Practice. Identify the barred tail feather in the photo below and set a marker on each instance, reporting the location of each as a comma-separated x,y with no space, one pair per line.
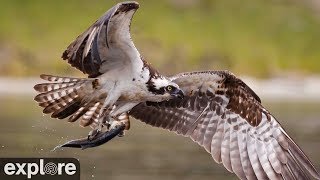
90,116
46,87
59,78
76,115
64,97
67,111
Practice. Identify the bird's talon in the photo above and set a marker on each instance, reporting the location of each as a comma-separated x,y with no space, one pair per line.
93,133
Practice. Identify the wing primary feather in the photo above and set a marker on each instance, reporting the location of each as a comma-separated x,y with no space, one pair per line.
263,137
254,159
216,142
235,151
245,161
88,45
225,148
273,158
297,171
203,128
302,158
264,161
196,122
287,174
210,131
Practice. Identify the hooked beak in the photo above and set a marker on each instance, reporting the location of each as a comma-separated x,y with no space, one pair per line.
178,93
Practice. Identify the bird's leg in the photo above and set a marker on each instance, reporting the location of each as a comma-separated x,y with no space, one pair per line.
121,116
105,118
104,121
107,107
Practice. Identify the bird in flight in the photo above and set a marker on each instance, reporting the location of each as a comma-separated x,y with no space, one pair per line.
214,108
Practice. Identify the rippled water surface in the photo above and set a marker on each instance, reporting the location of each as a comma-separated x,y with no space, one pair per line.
145,152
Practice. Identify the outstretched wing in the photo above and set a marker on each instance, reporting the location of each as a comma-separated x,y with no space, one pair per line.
106,44
223,115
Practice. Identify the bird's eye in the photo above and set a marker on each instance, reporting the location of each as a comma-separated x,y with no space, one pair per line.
169,88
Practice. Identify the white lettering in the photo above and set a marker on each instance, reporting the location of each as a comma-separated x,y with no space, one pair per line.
60,165
9,169
20,168
41,167
33,169
70,169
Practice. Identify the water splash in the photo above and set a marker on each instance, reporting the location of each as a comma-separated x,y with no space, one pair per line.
57,148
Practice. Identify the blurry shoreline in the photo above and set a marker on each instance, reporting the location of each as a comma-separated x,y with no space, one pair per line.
276,89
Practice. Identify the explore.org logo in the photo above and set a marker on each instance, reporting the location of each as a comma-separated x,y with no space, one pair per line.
40,168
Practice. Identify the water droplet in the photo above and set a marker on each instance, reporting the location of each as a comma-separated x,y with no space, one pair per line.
2,146
94,167
92,175
41,149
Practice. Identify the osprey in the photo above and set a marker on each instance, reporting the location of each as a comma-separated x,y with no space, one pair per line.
214,108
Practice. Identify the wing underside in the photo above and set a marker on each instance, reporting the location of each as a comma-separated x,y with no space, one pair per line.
223,116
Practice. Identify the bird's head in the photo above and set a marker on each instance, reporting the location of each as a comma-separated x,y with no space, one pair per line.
164,89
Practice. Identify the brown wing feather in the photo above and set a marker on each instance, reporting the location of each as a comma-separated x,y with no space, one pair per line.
225,116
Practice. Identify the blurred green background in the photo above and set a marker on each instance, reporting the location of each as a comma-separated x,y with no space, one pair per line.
253,37
263,39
